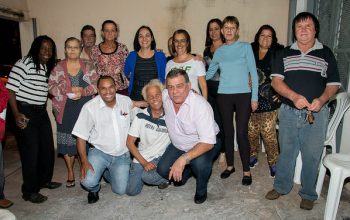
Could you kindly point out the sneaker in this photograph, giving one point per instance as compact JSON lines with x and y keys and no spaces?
{"x":272,"y":170}
{"x":163,"y":185}
{"x":199,"y":199}
{"x":273,"y":194}
{"x":306,"y":204}
{"x":35,"y":198}
{"x":253,"y":161}
{"x":93,"y":197}
{"x":51,"y":185}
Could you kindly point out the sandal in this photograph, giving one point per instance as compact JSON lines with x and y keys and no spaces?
{"x":70,"y":183}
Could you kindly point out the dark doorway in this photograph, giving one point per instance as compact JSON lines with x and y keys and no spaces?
{"x":10,"y":52}
{"x":10,"y":43}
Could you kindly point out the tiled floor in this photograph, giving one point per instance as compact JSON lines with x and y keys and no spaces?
{"x":227,"y":199}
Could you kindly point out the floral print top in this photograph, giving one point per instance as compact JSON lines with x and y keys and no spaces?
{"x":111,"y":64}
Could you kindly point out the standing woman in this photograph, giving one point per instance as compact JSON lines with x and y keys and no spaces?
{"x":263,"y":120}
{"x":236,"y":61}
{"x":184,"y":60}
{"x":144,"y":64}
{"x":214,"y":40}
{"x":109,"y":56}
{"x":72,"y":83}
{"x":28,"y":95}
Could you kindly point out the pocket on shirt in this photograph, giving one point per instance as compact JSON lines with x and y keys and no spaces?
{"x":125,"y":121}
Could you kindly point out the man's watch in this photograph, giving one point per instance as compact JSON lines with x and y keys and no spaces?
{"x":186,"y":158}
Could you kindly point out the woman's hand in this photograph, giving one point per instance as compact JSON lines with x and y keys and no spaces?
{"x":254,"y":105}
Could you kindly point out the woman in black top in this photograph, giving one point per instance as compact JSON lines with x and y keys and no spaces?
{"x":214,"y":39}
{"x":263,"y":121}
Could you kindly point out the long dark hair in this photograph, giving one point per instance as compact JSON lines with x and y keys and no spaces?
{"x":35,"y":50}
{"x":137,"y":46}
{"x":274,"y":45}
{"x":208,"y":40}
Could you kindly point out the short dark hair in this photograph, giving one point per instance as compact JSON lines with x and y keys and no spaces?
{"x":177,"y":72}
{"x":85,"y":28}
{"x":231,"y":19}
{"x":35,"y":50}
{"x":302,"y":16}
{"x":109,"y":22}
{"x":103,"y":77}
{"x":137,"y":46}
{"x":187,"y":36}
{"x":274,"y":44}
{"x":208,"y":40}
{"x":71,"y":39}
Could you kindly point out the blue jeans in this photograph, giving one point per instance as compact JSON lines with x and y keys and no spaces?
{"x":296,"y":134}
{"x":200,"y":167}
{"x":138,"y":176}
{"x":117,"y":166}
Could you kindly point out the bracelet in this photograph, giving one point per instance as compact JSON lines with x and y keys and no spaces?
{"x":186,"y":158}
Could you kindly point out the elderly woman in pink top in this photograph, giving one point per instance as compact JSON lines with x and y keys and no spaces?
{"x":72,"y":83}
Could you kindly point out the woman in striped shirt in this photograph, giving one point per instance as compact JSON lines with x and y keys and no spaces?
{"x":28,"y":87}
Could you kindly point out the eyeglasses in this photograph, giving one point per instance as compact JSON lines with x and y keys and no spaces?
{"x":182,"y":41}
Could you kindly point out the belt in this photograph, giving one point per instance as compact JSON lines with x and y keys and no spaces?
{"x":27,"y":105}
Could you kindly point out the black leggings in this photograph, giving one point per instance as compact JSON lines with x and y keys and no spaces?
{"x":241,"y":103}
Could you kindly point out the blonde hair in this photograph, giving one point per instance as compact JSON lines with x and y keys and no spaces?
{"x":152,"y":83}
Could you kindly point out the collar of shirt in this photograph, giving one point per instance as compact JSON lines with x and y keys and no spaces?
{"x":102,"y":104}
{"x":185,"y":103}
{"x":149,"y":110}
{"x":317,"y":45}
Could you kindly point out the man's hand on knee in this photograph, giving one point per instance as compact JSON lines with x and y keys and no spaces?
{"x":176,"y":169}
{"x":85,"y":166}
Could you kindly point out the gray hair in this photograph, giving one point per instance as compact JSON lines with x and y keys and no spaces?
{"x":152,"y":83}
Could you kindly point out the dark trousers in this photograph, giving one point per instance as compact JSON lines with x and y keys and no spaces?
{"x":36,"y":148}
{"x":200,"y":167}
{"x":212,"y":99}
{"x":241,"y":103}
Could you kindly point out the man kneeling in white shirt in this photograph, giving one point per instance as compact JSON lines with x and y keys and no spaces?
{"x":104,"y":122}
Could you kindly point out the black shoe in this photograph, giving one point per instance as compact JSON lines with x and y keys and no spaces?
{"x":35,"y":198}
{"x":93,"y":197}
{"x":199,"y":199}
{"x":247,"y":180}
{"x":227,"y":173}
{"x":51,"y":185}
{"x":163,"y":185}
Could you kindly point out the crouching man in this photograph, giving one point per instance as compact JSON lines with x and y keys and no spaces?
{"x":192,"y":130}
{"x":104,"y":122}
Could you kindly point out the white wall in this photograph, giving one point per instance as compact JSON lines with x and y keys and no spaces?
{"x":64,"y":18}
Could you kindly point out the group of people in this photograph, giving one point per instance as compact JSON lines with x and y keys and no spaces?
{"x":175,"y":132}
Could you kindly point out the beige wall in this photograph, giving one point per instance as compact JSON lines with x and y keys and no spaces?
{"x":64,"y":18}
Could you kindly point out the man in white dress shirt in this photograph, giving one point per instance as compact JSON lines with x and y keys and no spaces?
{"x":104,"y":122}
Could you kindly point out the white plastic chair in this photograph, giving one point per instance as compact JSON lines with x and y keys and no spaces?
{"x":342,"y":105}
{"x":339,"y":167}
